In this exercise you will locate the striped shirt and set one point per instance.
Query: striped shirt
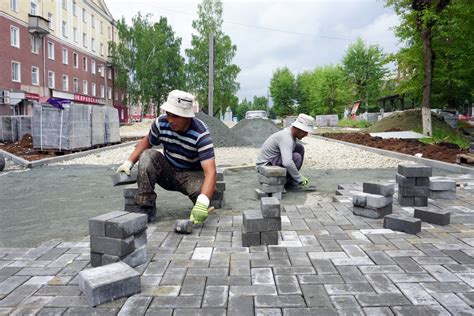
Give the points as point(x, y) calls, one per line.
point(184, 150)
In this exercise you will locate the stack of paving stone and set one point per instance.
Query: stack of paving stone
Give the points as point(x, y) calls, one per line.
point(272, 181)
point(112, 125)
point(98, 126)
point(8, 129)
point(260, 227)
point(413, 184)
point(118, 236)
point(129, 193)
point(375, 201)
point(218, 200)
point(442, 189)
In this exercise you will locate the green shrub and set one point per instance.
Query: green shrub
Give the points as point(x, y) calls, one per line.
point(353, 124)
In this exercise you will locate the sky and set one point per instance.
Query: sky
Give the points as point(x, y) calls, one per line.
point(298, 34)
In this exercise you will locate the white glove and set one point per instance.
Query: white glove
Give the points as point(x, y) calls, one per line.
point(125, 167)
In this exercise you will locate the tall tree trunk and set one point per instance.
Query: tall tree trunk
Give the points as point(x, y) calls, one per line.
point(427, 81)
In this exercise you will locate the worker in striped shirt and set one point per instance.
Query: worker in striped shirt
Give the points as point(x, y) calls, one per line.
point(187, 164)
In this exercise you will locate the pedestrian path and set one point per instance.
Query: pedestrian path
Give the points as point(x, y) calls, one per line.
point(328, 262)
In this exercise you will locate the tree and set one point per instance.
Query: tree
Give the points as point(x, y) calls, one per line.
point(225, 84)
point(283, 91)
point(365, 68)
point(147, 57)
point(259, 103)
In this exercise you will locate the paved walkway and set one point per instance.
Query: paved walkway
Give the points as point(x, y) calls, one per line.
point(328, 261)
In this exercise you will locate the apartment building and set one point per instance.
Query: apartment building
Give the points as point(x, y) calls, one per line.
point(58, 49)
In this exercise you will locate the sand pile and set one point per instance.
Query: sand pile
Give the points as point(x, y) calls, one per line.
point(254, 131)
point(222, 136)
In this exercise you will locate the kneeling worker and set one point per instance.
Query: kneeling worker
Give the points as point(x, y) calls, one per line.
point(283, 149)
point(187, 163)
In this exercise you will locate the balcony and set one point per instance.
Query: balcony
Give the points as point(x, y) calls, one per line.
point(37, 25)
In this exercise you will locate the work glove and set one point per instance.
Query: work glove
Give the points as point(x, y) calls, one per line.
point(125, 167)
point(304, 182)
point(199, 211)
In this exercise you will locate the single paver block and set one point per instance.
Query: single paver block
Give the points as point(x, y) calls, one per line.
point(112, 246)
point(413, 191)
point(220, 186)
point(96, 259)
point(420, 201)
point(109, 282)
point(414, 170)
point(442, 185)
point(272, 171)
point(272, 188)
point(438, 217)
point(400, 223)
point(130, 202)
point(385, 189)
point(270, 207)
point(250, 239)
point(97, 224)
point(259, 194)
point(359, 199)
point(218, 195)
point(402, 180)
point(377, 201)
point(217, 203)
point(220, 174)
point(422, 182)
point(372, 213)
point(126, 225)
point(133, 259)
point(129, 191)
point(406, 200)
point(443, 195)
point(278, 195)
point(269, 238)
point(253, 221)
point(271, 180)
point(121, 178)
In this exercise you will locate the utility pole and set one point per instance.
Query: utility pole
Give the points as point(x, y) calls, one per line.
point(210, 95)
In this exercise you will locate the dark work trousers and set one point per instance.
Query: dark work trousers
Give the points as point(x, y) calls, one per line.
point(154, 168)
point(298, 157)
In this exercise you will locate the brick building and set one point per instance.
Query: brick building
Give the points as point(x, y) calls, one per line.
point(56, 48)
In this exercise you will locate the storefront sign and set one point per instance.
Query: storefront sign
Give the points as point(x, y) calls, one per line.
point(32, 96)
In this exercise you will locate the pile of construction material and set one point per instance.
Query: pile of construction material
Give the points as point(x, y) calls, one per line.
point(412, 225)
point(442, 189)
point(98, 135)
point(272, 181)
point(327, 120)
point(118, 236)
point(260, 227)
point(375, 201)
point(413, 184)
point(13, 128)
point(112, 125)
point(218, 199)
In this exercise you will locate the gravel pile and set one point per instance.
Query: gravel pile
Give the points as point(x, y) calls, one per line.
point(255, 131)
point(222, 136)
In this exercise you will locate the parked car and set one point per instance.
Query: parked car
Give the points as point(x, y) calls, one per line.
point(256, 114)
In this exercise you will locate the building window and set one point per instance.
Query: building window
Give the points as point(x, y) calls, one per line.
point(116, 96)
point(84, 63)
point(84, 18)
point(65, 83)
point(75, 85)
point(93, 89)
point(85, 87)
point(16, 71)
point(51, 50)
point(33, 7)
point(74, 34)
point(101, 70)
point(64, 29)
point(101, 27)
point(109, 93)
point(50, 20)
point(93, 67)
point(109, 33)
point(34, 44)
point(14, 5)
point(109, 74)
point(84, 40)
point(64, 4)
point(74, 7)
point(34, 75)
point(65, 57)
point(15, 36)
point(101, 49)
point(75, 60)
point(102, 91)
point(51, 79)
point(93, 44)
point(92, 21)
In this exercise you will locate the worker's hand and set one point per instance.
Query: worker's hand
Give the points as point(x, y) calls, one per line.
point(125, 167)
point(304, 182)
point(199, 211)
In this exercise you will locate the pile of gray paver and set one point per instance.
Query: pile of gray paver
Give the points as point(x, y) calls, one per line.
point(442, 189)
point(272, 181)
point(413, 184)
point(13, 128)
point(375, 201)
point(261, 227)
point(218, 199)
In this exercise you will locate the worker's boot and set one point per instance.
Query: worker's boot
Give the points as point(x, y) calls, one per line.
point(150, 211)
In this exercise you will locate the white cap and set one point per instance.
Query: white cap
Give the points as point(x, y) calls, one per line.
point(179, 103)
point(304, 122)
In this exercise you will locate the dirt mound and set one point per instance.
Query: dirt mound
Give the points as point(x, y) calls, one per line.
point(442, 152)
point(222, 136)
point(24, 148)
point(409, 120)
point(255, 131)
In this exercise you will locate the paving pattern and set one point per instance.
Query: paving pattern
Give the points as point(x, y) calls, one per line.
point(328, 262)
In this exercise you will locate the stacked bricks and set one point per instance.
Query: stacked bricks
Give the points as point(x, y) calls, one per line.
point(129, 193)
point(442, 189)
point(108, 283)
point(413, 184)
point(272, 181)
point(218, 200)
point(118, 236)
point(260, 227)
point(375, 201)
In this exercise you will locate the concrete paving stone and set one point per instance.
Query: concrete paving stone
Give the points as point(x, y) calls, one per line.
point(315, 295)
point(176, 302)
point(299, 259)
point(287, 285)
point(271, 180)
point(416, 294)
point(413, 191)
point(156, 268)
point(262, 276)
point(309, 311)
point(269, 238)
point(433, 216)
point(354, 251)
point(75, 311)
point(422, 181)
point(384, 189)
point(372, 213)
point(68, 301)
point(467, 277)
point(446, 287)
point(420, 201)
point(267, 312)
point(129, 191)
point(74, 267)
point(407, 201)
point(126, 225)
point(404, 253)
point(348, 289)
point(374, 201)
point(18, 295)
point(122, 179)
point(441, 274)
point(320, 279)
point(270, 263)
point(449, 299)
point(202, 253)
point(382, 284)
point(355, 311)
point(351, 274)
point(406, 278)
point(460, 310)
point(272, 171)
point(468, 298)
point(32, 305)
point(239, 267)
point(220, 261)
point(442, 185)
point(112, 246)
point(324, 266)
point(327, 255)
point(272, 301)
point(344, 302)
point(52, 254)
point(442, 195)
point(173, 276)
point(277, 195)
point(252, 290)
point(293, 270)
point(309, 240)
point(380, 258)
point(156, 311)
point(39, 271)
point(97, 224)
point(230, 280)
point(51, 311)
point(57, 290)
point(11, 283)
point(377, 311)
point(402, 223)
point(253, 221)
point(414, 170)
point(215, 296)
point(460, 268)
point(240, 305)
point(380, 269)
point(259, 193)
point(270, 207)
point(359, 199)
point(63, 260)
point(434, 260)
point(352, 261)
point(382, 299)
point(200, 312)
point(250, 255)
point(207, 272)
point(272, 188)
point(402, 180)
point(420, 310)
point(459, 256)
point(193, 285)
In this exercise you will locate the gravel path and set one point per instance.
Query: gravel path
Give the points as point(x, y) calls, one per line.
point(320, 154)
